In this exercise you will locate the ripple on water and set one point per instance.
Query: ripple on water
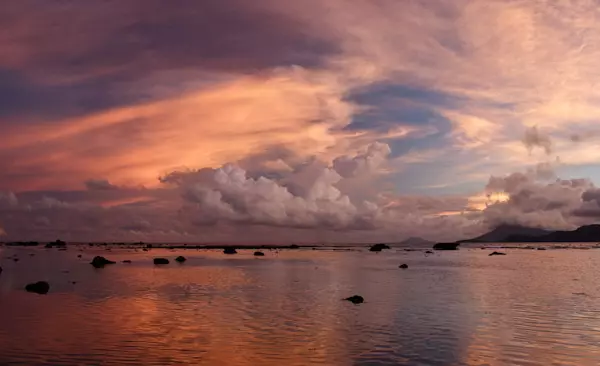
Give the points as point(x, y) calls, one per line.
point(455, 309)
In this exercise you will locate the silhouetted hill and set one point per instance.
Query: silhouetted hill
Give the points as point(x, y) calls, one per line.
point(504, 233)
point(588, 233)
point(416, 242)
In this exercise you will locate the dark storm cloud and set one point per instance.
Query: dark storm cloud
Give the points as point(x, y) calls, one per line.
point(139, 35)
point(65, 58)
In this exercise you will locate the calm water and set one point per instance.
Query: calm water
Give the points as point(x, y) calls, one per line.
point(451, 308)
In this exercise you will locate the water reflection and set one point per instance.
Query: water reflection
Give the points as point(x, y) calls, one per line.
point(458, 308)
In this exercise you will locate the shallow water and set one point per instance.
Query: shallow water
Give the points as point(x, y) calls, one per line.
point(449, 308)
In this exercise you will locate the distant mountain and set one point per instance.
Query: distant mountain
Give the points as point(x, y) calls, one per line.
point(588, 233)
point(504, 233)
point(416, 242)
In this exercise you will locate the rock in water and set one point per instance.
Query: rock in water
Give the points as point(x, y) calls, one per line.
point(100, 262)
point(378, 247)
point(446, 246)
point(294, 246)
point(356, 299)
point(161, 261)
point(259, 254)
point(428, 252)
point(229, 251)
point(403, 266)
point(41, 287)
point(496, 253)
point(180, 259)
point(78, 255)
point(126, 261)
point(0, 269)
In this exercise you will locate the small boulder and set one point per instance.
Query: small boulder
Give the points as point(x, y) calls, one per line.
point(0, 269)
point(161, 261)
point(126, 261)
point(78, 255)
point(496, 253)
point(100, 262)
point(180, 259)
point(403, 266)
point(16, 259)
point(428, 252)
point(356, 299)
point(378, 247)
point(259, 254)
point(540, 248)
point(229, 250)
point(145, 250)
point(446, 246)
point(41, 287)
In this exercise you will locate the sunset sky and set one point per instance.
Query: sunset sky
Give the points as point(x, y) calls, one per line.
point(296, 121)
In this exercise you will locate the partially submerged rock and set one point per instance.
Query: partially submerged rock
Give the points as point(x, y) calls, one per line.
point(78, 255)
point(540, 248)
point(428, 252)
point(403, 266)
point(378, 247)
point(446, 246)
point(356, 299)
point(161, 261)
point(40, 287)
point(180, 259)
point(126, 261)
point(229, 250)
point(496, 253)
point(100, 262)
point(56, 244)
point(259, 254)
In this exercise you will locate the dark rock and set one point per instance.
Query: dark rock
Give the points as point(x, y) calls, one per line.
point(40, 287)
point(446, 246)
point(378, 247)
point(56, 244)
point(260, 254)
point(229, 251)
point(428, 252)
point(356, 299)
point(403, 266)
point(0, 269)
point(294, 246)
point(74, 282)
point(496, 253)
point(16, 259)
point(78, 255)
point(91, 244)
point(100, 262)
point(145, 250)
point(541, 248)
point(126, 261)
point(180, 259)
point(161, 261)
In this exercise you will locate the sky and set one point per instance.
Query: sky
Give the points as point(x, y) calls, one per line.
point(312, 121)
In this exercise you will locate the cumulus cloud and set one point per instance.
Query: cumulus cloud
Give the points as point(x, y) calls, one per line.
point(533, 202)
point(364, 163)
point(228, 194)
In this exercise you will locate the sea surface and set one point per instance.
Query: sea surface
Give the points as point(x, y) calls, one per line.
point(530, 307)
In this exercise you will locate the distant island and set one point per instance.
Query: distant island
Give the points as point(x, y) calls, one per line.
point(521, 234)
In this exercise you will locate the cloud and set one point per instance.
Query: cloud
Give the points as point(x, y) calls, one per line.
point(99, 184)
point(534, 138)
point(534, 203)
